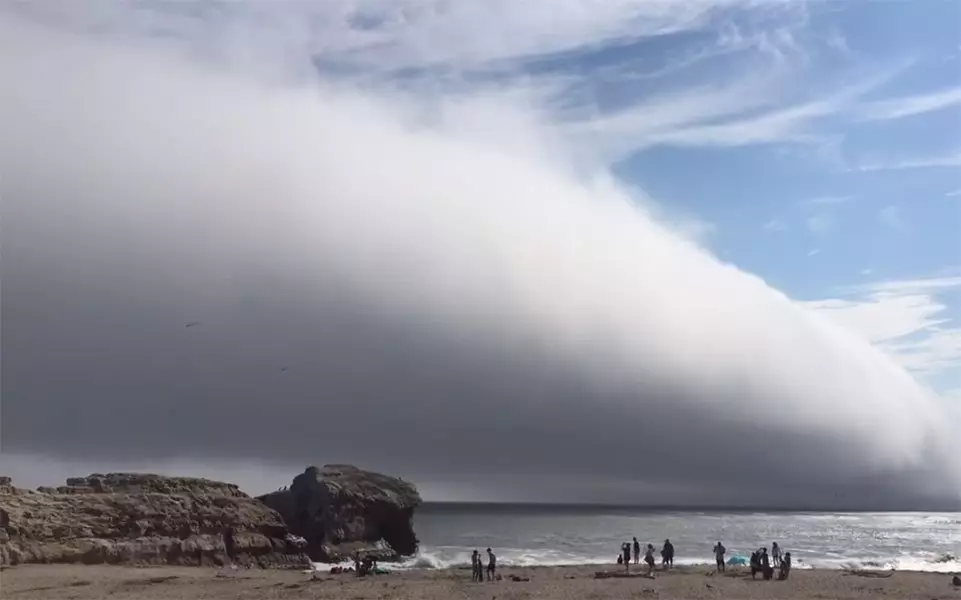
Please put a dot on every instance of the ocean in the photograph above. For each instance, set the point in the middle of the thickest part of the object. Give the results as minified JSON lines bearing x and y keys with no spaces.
{"x":560,"y":535}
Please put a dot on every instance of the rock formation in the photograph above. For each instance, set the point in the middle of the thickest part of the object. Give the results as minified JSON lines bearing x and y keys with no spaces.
{"x":341,"y":509}
{"x":142,"y":519}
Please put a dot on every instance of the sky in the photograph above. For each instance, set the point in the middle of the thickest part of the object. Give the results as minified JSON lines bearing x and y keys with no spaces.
{"x":627,"y":251}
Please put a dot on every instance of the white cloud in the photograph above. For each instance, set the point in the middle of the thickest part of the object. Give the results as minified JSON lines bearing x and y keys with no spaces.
{"x":821,"y":224}
{"x":890,"y":217}
{"x":814,"y":252}
{"x":898,"y":108}
{"x":953,"y":193}
{"x":774,"y":226}
{"x":905,"y":318}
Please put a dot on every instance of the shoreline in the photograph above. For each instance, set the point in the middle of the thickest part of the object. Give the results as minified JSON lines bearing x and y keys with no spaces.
{"x":89,"y":582}
{"x":948,"y":564}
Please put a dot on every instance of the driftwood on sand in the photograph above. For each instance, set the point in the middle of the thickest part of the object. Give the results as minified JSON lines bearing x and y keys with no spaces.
{"x":620,"y":575}
{"x":869,"y":574}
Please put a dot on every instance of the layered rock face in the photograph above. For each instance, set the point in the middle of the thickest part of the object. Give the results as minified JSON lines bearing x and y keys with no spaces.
{"x":341,"y":509}
{"x":142,"y":519}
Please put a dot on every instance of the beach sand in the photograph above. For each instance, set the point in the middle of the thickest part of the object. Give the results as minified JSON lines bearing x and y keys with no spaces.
{"x":54,"y":582}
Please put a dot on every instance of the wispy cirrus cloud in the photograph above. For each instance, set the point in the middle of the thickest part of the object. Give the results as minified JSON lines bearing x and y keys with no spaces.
{"x":906,"y":318}
{"x":952,"y":160}
{"x":908,"y":106}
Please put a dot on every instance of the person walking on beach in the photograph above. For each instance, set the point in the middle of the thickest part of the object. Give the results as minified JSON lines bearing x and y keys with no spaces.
{"x":649,"y":558}
{"x":491,"y":565}
{"x":775,"y":555}
{"x":719,"y":551}
{"x":626,"y":551}
{"x":476,"y":566}
{"x":637,"y":551}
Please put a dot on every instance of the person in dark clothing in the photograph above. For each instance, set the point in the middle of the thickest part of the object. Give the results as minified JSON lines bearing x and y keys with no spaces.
{"x":667,"y":554}
{"x":785,"y":567}
{"x":766,"y":569}
{"x":755,"y":563}
{"x":637,"y":551}
{"x":620,"y":559}
{"x":719,"y":551}
{"x":491,"y":565}
{"x":626,"y":552}
{"x":475,"y":560}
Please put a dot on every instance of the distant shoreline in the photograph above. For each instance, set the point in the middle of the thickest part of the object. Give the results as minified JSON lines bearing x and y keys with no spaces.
{"x":561,"y":507}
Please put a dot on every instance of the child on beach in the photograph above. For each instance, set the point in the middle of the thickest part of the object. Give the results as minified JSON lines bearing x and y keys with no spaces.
{"x":775,"y":555}
{"x":649,"y":558}
{"x":637,"y":551}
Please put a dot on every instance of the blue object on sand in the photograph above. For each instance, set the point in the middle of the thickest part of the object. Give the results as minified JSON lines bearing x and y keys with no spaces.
{"x":737,"y":560}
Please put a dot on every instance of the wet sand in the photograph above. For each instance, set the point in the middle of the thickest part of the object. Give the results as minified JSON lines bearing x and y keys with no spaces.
{"x":55,"y":582}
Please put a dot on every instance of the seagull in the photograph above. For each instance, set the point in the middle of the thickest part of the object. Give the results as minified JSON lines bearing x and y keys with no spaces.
{"x":282,"y":369}
{"x":192,"y":324}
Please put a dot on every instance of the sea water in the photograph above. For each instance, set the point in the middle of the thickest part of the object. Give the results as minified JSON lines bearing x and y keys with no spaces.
{"x":529,"y":535}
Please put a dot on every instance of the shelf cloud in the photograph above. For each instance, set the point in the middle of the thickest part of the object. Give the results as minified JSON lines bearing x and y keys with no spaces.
{"x":202,"y":265}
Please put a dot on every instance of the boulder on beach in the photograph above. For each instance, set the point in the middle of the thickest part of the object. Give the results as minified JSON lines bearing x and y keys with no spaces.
{"x":340,"y":510}
{"x":956,"y":581}
{"x":125,"y":518}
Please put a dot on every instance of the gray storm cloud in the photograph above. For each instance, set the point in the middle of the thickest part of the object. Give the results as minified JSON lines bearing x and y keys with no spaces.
{"x":431,"y":289}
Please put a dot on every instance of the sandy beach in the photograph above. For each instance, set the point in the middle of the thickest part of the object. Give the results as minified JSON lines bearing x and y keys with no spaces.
{"x":54,"y":582}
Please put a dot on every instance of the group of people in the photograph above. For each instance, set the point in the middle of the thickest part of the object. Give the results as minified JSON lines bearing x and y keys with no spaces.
{"x":760,"y":561}
{"x":667,"y":554}
{"x":765,"y":565}
{"x":478,"y":566}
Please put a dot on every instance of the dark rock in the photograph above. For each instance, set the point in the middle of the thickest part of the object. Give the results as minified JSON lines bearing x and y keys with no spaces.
{"x":341,"y":509}
{"x":122,"y":518}
{"x":956,"y":581}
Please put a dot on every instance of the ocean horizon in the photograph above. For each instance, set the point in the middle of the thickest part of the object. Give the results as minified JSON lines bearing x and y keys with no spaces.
{"x":556,"y":534}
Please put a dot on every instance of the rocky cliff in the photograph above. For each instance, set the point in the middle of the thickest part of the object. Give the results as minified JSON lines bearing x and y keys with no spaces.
{"x":340,"y":509}
{"x":142,"y":519}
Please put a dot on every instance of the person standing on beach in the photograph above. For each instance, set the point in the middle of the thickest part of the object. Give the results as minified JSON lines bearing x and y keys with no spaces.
{"x":766,"y":569}
{"x":775,"y":555}
{"x":491,"y":565}
{"x":476,"y":567}
{"x":719,"y":551}
{"x":667,"y":554}
{"x":649,"y":558}
{"x":626,"y":551}
{"x":637,"y":551}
